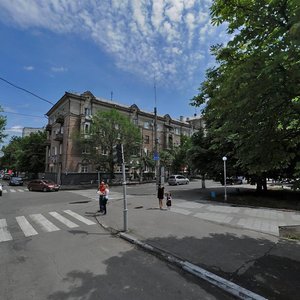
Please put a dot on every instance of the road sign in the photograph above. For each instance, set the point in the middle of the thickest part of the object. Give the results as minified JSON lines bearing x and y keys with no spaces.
{"x":156,"y":156}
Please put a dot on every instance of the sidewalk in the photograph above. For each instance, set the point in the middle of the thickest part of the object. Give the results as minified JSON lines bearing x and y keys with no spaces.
{"x":239,"y":244}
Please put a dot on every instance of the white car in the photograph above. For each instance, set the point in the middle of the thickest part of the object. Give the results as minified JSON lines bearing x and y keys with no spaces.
{"x":177,"y":179}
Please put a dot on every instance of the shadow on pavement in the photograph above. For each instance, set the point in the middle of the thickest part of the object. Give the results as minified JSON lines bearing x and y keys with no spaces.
{"x":135,"y":275}
{"x":268,"y":269}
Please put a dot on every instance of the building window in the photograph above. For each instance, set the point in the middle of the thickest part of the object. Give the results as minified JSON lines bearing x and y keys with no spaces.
{"x":60,"y":148}
{"x":147,"y":125}
{"x":86,"y":128}
{"x":84,"y":169}
{"x":86,"y":149}
{"x":86,"y":111}
{"x":146,"y":139}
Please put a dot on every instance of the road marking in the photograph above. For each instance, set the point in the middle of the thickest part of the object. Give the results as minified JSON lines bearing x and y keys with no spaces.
{"x":189,"y":205}
{"x":180,"y":211}
{"x":4,"y":191}
{"x":22,"y":191}
{"x":12,"y":191}
{"x":215,"y":217}
{"x":62,"y":219}
{"x":26,"y":227}
{"x":44,"y":223}
{"x":224,"y":209}
{"x":4,"y":233}
{"x":79,"y":217}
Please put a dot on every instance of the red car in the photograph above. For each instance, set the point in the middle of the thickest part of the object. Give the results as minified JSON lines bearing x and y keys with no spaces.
{"x":42,"y":185}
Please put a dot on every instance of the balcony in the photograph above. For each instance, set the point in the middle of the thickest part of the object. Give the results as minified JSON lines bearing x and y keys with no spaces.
{"x":59,"y":137}
{"x":60,"y":119}
{"x":48,"y":127}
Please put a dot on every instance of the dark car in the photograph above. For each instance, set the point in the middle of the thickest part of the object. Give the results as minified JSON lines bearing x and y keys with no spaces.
{"x":232,"y":180}
{"x":15,"y":181}
{"x":42,"y":185}
{"x":6,"y":176}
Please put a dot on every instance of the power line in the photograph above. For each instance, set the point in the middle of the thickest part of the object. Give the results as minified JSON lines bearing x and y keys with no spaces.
{"x":24,"y":90}
{"x":8,"y":112}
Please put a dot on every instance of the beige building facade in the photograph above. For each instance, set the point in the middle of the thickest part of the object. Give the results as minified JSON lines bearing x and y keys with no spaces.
{"x":73,"y":113}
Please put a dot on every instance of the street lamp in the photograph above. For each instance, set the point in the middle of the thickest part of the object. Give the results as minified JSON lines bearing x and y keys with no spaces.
{"x":225,"y":190}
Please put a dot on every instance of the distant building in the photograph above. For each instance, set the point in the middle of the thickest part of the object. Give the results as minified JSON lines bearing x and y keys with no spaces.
{"x":28,"y":130}
{"x":73,"y":112}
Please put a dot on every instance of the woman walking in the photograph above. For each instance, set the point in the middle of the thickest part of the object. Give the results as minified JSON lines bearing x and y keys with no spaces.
{"x":105,"y":198}
{"x":101,"y":191}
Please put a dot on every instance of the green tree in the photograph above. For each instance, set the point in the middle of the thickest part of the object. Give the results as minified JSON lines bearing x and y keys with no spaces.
{"x":108,"y":128}
{"x":2,"y":126}
{"x":31,"y":156}
{"x":26,"y":154}
{"x":253,"y":95}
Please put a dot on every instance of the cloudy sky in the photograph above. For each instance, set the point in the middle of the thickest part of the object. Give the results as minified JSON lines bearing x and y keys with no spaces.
{"x":115,"y":49}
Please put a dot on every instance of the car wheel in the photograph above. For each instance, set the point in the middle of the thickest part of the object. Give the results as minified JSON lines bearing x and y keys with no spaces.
{"x":30,"y":189}
{"x":44,"y":189}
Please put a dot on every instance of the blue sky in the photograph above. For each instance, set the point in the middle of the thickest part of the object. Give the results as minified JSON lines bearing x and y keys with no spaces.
{"x":120,"y":46}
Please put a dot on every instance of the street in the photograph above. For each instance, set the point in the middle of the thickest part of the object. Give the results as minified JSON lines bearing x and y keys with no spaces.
{"x":50,"y":249}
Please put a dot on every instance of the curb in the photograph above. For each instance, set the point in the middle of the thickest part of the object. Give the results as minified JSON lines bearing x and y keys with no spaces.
{"x":213,"y":279}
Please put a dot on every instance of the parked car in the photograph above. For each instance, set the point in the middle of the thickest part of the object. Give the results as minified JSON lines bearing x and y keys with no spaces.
{"x":42,"y":185}
{"x":232,"y":180}
{"x":1,"y":189}
{"x":6,"y":176}
{"x":15,"y":181}
{"x":177,"y":179}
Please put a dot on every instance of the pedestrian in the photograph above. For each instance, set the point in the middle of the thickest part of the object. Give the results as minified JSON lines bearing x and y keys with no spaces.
{"x":100,"y":192}
{"x":105,"y":198}
{"x":160,"y":195}
{"x":169,"y":200}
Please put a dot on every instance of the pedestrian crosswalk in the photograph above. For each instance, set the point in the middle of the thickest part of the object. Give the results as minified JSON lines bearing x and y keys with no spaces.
{"x":14,"y":190}
{"x":38,"y":223}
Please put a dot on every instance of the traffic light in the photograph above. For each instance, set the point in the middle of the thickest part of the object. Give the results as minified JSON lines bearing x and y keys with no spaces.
{"x":117,"y":154}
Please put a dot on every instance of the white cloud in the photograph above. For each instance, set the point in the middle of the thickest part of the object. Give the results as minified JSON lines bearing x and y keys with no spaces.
{"x":14,"y":129}
{"x":143,"y":36}
{"x":59,"y":69}
{"x":28,"y":68}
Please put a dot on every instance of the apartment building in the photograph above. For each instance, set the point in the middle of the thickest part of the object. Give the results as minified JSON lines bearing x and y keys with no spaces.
{"x":73,"y":112}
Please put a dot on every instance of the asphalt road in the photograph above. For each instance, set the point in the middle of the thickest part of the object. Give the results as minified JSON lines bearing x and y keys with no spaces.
{"x":51,"y":250}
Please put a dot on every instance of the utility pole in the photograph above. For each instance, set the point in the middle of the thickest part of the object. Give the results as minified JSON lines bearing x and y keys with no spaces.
{"x":156,"y":155}
{"x":118,"y":157}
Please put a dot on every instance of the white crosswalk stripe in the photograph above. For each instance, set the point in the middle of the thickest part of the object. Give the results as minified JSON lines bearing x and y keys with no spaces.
{"x":79,"y":217}
{"x":35,"y":222}
{"x":62,"y":219}
{"x":19,"y":190}
{"x":26,"y":227}
{"x":12,"y":191}
{"x":45,"y":224}
{"x":4,"y":233}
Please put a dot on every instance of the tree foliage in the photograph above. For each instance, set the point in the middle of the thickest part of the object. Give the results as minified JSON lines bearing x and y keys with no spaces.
{"x":26,"y":154}
{"x":109,"y":128}
{"x":2,"y":126}
{"x":253,"y":95}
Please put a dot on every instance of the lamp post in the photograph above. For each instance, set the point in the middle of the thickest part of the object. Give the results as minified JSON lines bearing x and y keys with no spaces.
{"x":225,"y":187}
